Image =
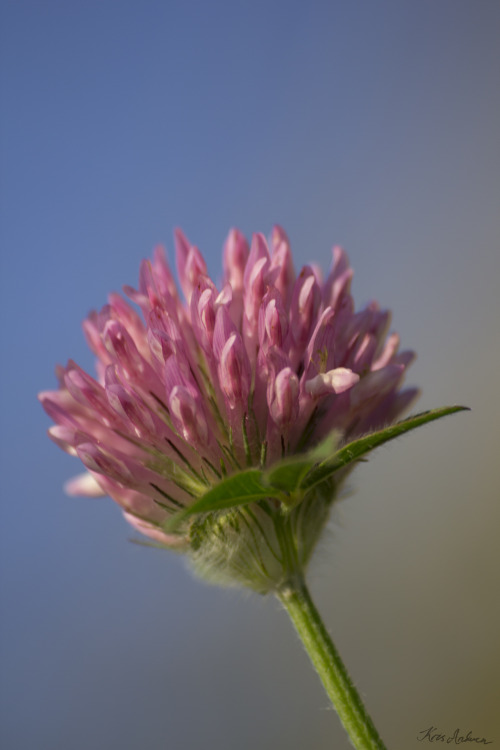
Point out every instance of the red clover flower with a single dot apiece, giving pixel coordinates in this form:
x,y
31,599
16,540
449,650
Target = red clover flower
x,y
224,423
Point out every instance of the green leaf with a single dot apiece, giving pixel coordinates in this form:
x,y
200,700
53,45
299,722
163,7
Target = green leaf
x,y
287,474
289,479
238,489
358,448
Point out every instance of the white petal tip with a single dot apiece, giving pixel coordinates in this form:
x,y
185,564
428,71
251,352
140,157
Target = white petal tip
x,y
83,484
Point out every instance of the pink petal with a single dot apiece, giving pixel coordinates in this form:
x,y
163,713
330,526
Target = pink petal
x,y
153,532
234,372
338,282
235,259
188,417
273,323
376,384
304,307
190,264
333,381
281,271
283,398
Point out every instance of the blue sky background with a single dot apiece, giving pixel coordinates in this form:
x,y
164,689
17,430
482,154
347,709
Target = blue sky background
x,y
373,125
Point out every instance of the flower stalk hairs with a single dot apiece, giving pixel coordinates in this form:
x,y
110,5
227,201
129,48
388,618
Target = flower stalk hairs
x,y
225,423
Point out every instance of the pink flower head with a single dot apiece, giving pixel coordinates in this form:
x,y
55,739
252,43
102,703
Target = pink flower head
x,y
228,378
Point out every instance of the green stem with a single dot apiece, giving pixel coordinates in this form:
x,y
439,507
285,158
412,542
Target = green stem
x,y
296,599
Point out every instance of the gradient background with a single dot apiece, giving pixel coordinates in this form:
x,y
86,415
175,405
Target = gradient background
x,y
371,124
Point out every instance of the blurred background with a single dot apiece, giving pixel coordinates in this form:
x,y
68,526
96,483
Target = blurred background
x,y
371,125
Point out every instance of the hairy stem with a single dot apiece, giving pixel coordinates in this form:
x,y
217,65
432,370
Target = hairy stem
x,y
296,599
